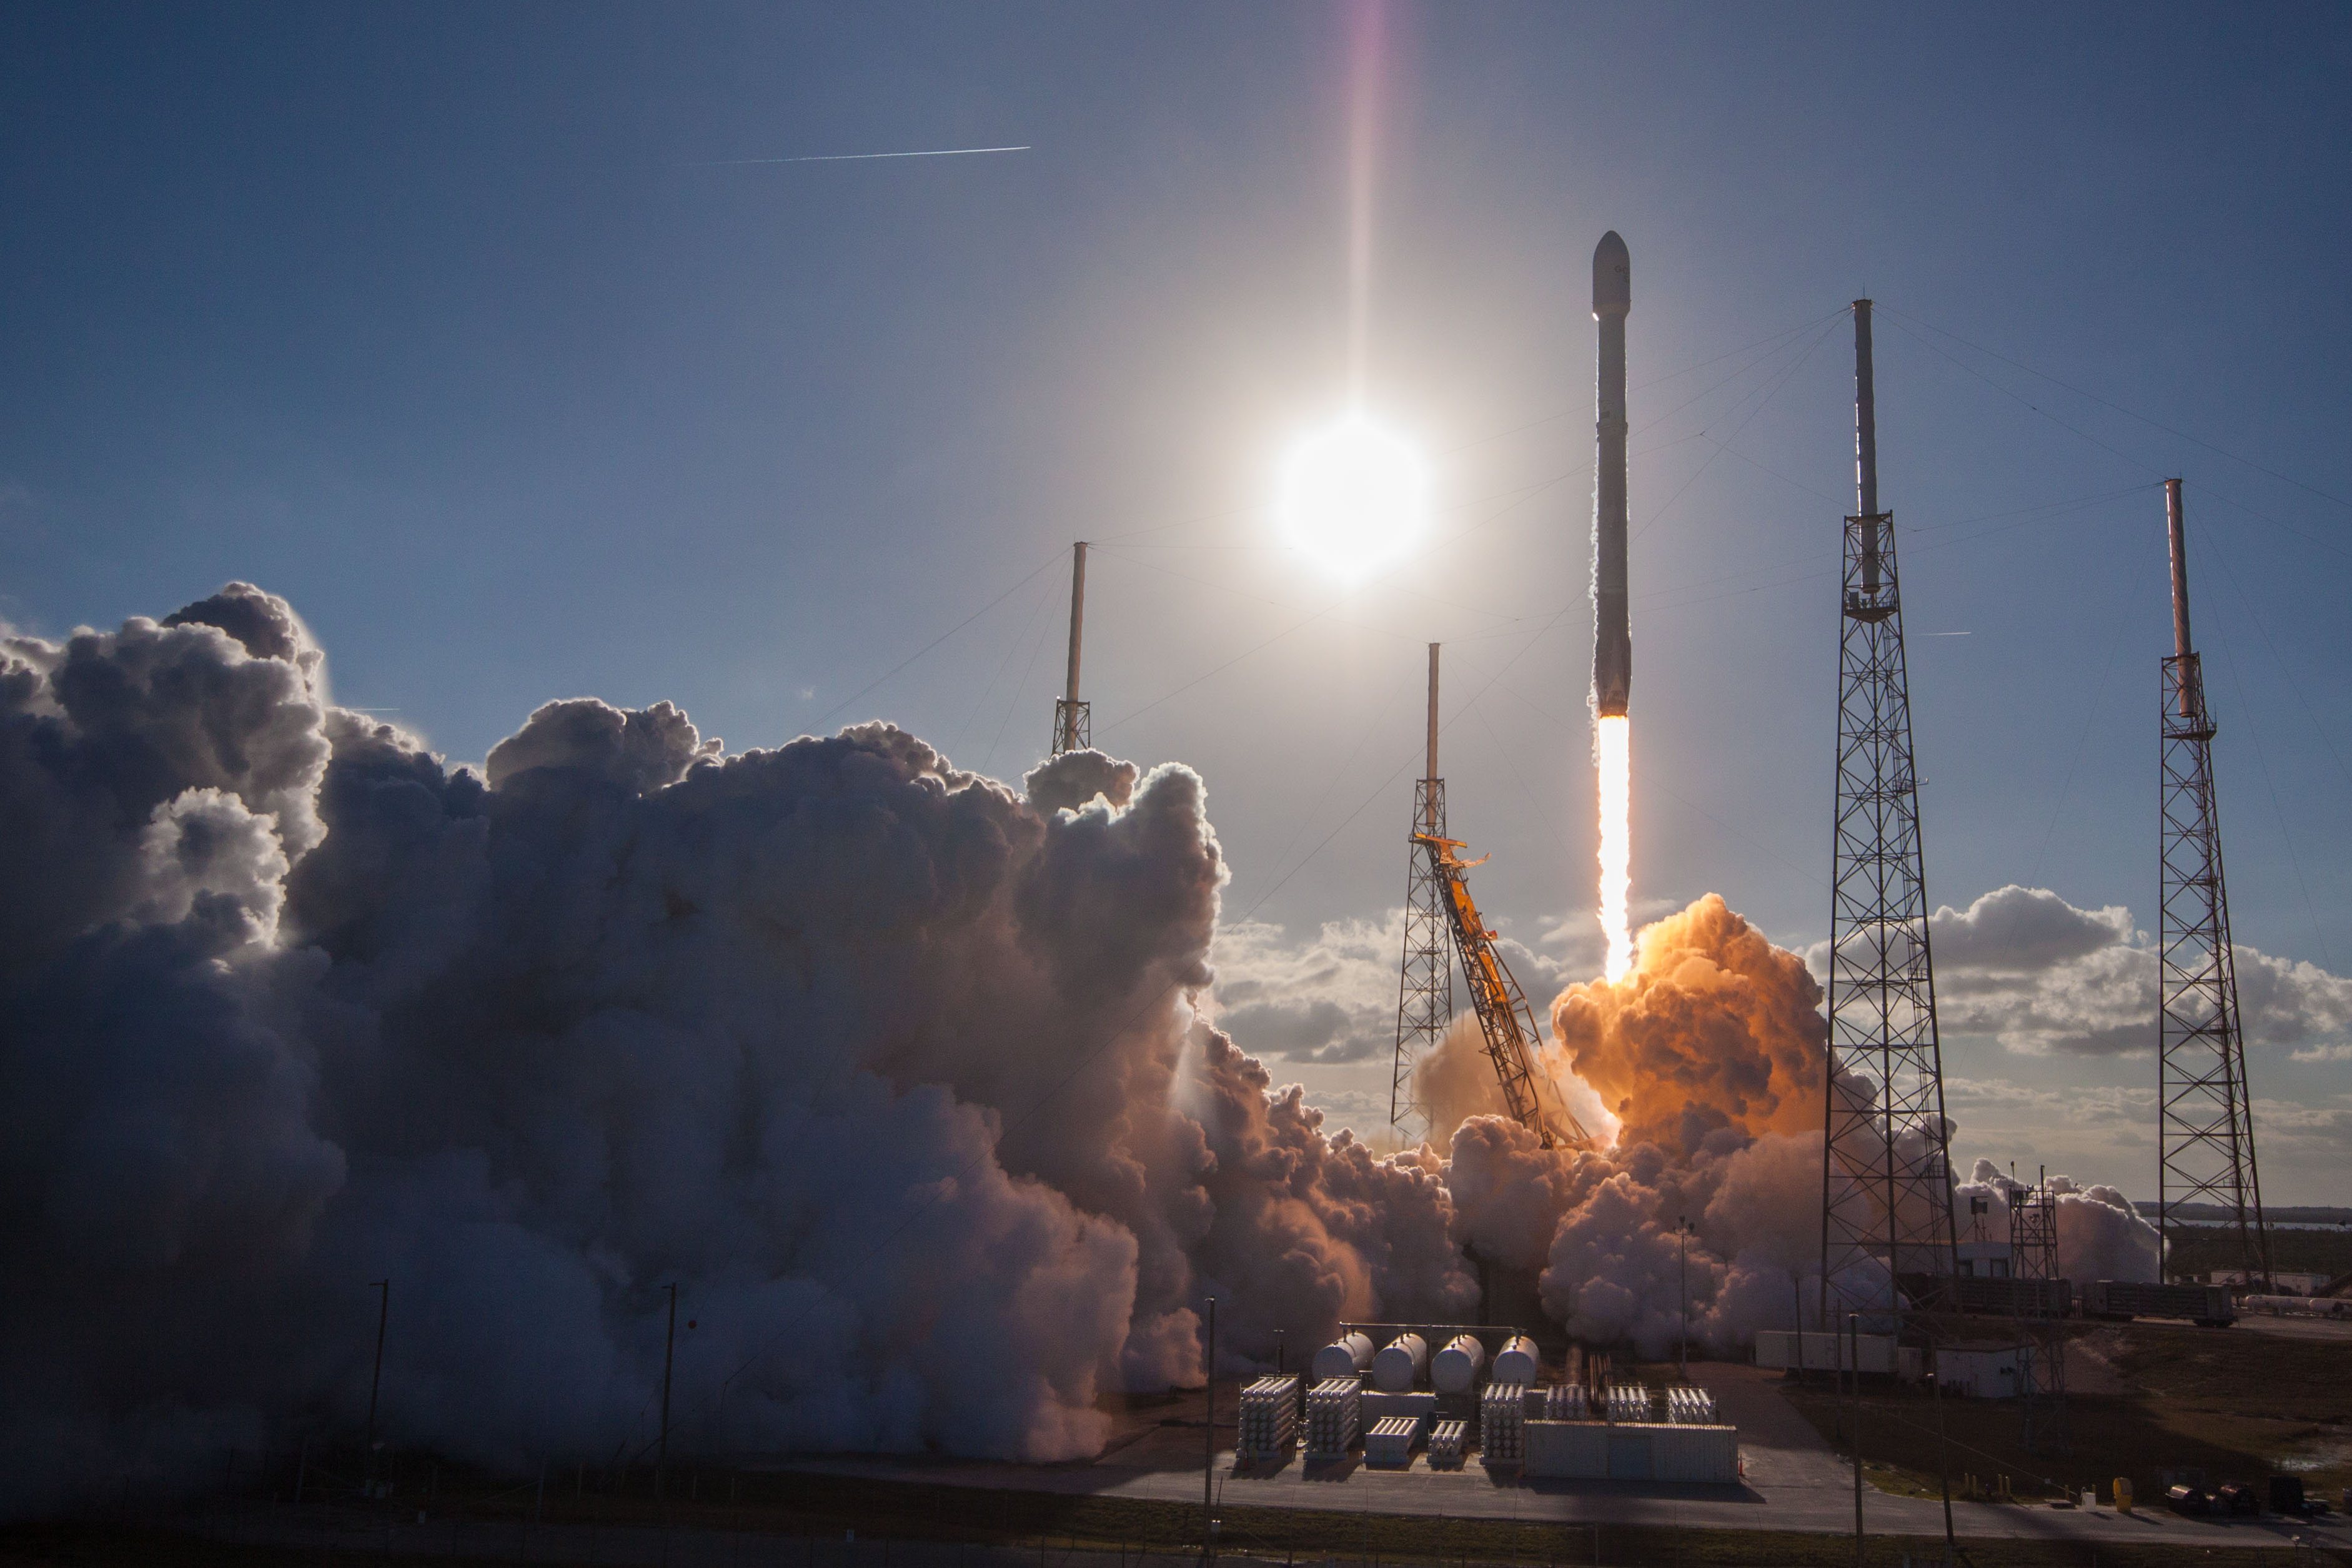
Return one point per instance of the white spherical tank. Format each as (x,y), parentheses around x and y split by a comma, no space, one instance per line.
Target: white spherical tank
(1400,1364)
(1344,1357)
(1455,1369)
(1517,1360)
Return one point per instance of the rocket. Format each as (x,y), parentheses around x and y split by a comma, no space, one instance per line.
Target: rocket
(1612,635)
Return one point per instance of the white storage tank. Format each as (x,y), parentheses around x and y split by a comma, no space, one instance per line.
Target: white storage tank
(1401,1363)
(1343,1357)
(1517,1360)
(1456,1369)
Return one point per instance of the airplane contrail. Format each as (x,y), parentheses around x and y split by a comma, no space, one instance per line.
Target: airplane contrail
(855,157)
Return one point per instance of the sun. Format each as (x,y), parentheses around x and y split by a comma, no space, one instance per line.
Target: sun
(1354,495)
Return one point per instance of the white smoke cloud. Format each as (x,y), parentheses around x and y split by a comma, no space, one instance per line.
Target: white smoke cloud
(914,1083)
(2100,1234)
(891,1067)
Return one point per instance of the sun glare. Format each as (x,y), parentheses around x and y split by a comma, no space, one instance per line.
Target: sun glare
(1354,495)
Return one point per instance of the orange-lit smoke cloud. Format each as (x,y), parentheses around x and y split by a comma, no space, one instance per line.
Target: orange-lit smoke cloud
(1713,1028)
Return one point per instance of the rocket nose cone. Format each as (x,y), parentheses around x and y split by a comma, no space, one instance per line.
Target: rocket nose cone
(1612,277)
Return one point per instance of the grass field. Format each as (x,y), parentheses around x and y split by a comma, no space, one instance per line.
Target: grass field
(2236,1405)
(2198,1251)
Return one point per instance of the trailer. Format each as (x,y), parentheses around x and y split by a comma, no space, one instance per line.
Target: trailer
(2119,1301)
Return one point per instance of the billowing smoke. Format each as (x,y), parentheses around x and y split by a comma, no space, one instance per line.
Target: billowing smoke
(888,1066)
(2100,1234)
(891,1069)
(1706,1060)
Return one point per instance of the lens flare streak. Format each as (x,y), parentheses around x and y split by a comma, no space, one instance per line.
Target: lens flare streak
(1613,762)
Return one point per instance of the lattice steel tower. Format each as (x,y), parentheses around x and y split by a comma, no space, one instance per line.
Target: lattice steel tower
(1887,1192)
(2041,1327)
(2205,1133)
(1071,717)
(1425,978)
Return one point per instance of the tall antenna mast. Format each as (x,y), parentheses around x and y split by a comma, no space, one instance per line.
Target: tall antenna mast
(1072,717)
(1425,978)
(1886,1188)
(2205,1130)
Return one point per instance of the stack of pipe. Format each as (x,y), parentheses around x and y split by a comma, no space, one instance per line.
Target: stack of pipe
(1565,1402)
(1502,1423)
(1689,1406)
(1335,1414)
(1269,1417)
(1392,1440)
(1446,1445)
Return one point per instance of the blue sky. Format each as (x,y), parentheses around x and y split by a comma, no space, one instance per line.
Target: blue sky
(438,322)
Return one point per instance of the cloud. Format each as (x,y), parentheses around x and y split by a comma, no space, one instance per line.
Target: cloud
(2336,1053)
(1329,999)
(2022,966)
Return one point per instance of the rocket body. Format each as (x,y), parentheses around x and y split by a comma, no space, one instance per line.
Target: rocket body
(1613,635)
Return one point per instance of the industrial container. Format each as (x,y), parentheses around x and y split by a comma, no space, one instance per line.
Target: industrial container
(1269,1418)
(1502,1424)
(1517,1360)
(1589,1451)
(1817,1351)
(1391,1441)
(1456,1369)
(1696,1454)
(2208,1306)
(1447,1440)
(1566,1450)
(1344,1357)
(2015,1298)
(1981,1372)
(1401,1363)
(1334,1417)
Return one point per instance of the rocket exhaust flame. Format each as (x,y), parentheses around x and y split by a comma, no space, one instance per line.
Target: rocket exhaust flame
(1612,762)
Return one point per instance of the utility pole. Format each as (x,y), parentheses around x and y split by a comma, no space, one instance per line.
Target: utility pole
(669,1358)
(1072,718)
(1854,1415)
(1682,1354)
(1209,1461)
(376,1384)
(1943,1463)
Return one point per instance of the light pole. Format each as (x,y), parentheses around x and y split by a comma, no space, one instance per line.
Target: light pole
(1854,1408)
(376,1384)
(670,1357)
(1681,1355)
(1208,1461)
